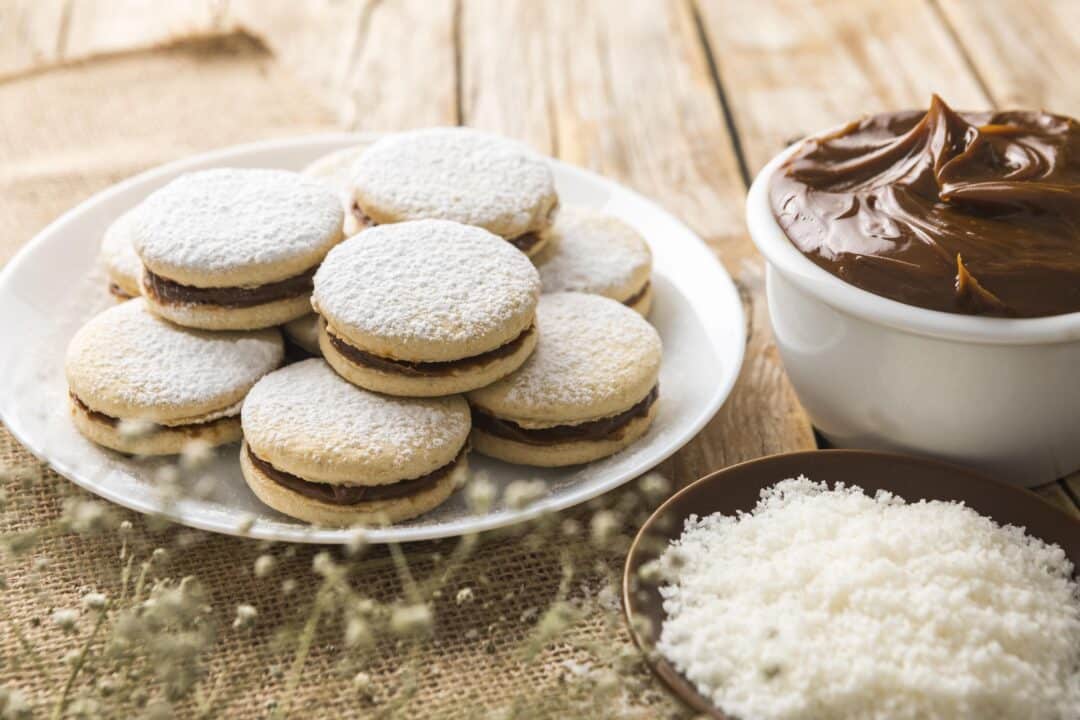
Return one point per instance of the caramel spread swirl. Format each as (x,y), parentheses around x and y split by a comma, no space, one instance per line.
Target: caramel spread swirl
(973,213)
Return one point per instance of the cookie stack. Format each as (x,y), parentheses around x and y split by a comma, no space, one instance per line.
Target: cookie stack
(429,317)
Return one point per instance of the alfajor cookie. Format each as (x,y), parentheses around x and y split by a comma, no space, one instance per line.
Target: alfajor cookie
(303,332)
(325,451)
(118,257)
(336,170)
(588,391)
(141,385)
(591,252)
(234,249)
(426,308)
(457,174)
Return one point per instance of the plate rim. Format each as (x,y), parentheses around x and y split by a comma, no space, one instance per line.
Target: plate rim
(181,514)
(673,681)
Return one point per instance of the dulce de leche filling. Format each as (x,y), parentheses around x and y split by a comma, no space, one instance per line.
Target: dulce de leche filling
(353,494)
(171,292)
(425,369)
(607,428)
(972,213)
(109,420)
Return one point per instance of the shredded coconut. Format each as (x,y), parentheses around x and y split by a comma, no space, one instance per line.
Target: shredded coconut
(430,281)
(130,355)
(456,174)
(215,221)
(833,604)
(594,253)
(308,404)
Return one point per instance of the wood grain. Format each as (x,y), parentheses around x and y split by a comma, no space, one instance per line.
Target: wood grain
(1026,52)
(30,32)
(792,67)
(625,89)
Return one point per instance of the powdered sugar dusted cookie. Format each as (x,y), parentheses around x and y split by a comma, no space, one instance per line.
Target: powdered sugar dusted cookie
(325,451)
(426,308)
(141,385)
(122,264)
(458,174)
(588,390)
(303,332)
(234,248)
(591,252)
(336,170)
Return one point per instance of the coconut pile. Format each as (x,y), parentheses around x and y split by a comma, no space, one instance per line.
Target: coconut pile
(834,604)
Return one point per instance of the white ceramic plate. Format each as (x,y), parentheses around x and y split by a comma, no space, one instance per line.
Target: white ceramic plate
(54,285)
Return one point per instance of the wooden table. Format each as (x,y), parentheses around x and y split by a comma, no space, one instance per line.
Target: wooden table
(683,100)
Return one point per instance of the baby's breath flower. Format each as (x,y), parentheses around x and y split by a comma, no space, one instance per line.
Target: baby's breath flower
(245,523)
(357,633)
(464,595)
(288,586)
(570,528)
(245,616)
(362,682)
(160,556)
(356,543)
(40,563)
(411,620)
(167,475)
(480,493)
(654,487)
(71,656)
(85,516)
(324,565)
(204,487)
(195,454)
(125,527)
(93,600)
(264,565)
(522,493)
(65,618)
(13,704)
(603,526)
(135,429)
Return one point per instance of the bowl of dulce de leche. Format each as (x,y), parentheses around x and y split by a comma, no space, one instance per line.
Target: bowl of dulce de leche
(923,280)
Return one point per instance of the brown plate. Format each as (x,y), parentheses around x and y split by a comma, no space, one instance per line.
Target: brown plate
(737,488)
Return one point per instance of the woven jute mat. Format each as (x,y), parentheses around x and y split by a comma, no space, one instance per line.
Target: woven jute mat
(522,624)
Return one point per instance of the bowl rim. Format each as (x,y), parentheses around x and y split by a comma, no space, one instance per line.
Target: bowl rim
(661,668)
(788,260)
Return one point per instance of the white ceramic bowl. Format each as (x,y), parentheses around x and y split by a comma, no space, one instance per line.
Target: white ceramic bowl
(1002,395)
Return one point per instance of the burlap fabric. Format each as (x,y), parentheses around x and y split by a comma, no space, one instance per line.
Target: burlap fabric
(68,132)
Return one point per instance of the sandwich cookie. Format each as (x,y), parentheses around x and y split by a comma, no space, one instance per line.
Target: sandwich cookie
(141,385)
(303,332)
(588,391)
(426,308)
(235,249)
(122,264)
(457,174)
(325,451)
(591,252)
(335,169)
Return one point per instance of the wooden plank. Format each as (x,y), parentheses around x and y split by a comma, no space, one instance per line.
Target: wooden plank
(315,40)
(402,73)
(792,67)
(625,89)
(103,26)
(30,32)
(1027,52)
